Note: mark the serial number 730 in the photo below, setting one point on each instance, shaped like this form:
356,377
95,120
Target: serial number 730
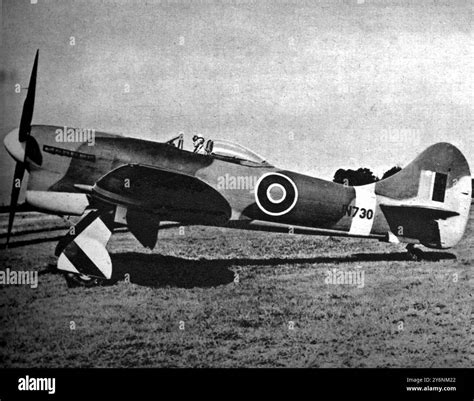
362,213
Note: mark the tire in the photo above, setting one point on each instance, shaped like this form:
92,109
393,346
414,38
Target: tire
77,280
419,255
415,254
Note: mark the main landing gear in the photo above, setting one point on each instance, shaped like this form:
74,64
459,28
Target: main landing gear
415,254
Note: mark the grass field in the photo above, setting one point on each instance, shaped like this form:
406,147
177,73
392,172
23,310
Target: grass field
182,306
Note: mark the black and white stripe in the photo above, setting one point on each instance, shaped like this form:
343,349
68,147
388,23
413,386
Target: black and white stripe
84,251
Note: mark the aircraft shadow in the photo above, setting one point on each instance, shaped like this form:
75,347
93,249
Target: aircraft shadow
154,270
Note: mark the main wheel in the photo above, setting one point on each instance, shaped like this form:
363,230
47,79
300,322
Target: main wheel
81,280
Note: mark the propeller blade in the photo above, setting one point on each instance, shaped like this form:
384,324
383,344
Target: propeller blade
29,104
16,187
32,151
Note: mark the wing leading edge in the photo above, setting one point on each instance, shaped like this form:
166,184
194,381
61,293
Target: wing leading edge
171,195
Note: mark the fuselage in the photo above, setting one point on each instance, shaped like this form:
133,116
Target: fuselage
66,166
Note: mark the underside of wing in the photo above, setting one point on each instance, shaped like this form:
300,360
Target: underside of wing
170,195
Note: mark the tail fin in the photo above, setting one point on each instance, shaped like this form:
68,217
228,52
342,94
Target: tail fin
428,201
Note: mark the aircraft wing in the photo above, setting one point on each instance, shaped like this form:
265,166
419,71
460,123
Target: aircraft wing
170,195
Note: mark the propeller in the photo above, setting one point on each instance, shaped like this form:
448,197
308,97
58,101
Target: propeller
32,151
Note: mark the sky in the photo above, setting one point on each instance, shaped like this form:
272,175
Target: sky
313,86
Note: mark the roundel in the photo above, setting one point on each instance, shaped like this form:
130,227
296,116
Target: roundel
275,194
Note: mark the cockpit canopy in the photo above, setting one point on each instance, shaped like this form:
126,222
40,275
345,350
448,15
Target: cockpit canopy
222,149
235,151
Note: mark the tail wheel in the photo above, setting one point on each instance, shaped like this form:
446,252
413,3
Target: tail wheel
74,280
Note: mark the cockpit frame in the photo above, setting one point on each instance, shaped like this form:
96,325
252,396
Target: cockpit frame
224,150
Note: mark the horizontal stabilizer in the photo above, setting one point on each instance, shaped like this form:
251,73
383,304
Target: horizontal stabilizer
429,212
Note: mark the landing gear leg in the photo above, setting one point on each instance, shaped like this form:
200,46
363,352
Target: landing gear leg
414,253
